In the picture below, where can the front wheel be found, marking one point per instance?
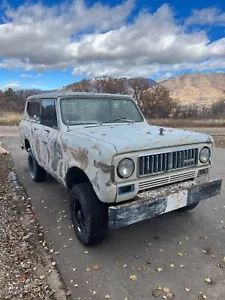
(89, 215)
(188, 207)
(37, 173)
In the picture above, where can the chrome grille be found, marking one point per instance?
(165, 162)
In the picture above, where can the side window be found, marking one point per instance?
(48, 113)
(33, 109)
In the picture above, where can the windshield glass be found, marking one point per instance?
(83, 111)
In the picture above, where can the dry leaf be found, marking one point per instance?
(96, 267)
(133, 277)
(181, 266)
(201, 296)
(208, 280)
(159, 269)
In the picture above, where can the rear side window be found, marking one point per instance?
(48, 113)
(33, 109)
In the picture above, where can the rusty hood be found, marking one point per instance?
(141, 136)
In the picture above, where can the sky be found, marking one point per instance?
(51, 43)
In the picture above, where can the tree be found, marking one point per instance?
(157, 102)
(139, 86)
(82, 86)
(218, 108)
(106, 84)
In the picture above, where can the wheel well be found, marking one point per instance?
(75, 175)
(27, 144)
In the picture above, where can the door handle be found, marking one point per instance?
(47, 130)
(44, 142)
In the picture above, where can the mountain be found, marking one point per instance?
(198, 88)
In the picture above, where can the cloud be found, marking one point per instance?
(97, 40)
(207, 16)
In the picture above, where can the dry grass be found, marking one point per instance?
(188, 122)
(10, 118)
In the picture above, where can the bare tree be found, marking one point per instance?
(82, 86)
(106, 84)
(139, 86)
(157, 102)
(218, 108)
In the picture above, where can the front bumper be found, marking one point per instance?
(156, 202)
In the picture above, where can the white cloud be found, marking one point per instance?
(207, 16)
(97, 40)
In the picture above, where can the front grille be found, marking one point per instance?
(165, 162)
(173, 178)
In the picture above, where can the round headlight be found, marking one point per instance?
(204, 155)
(125, 168)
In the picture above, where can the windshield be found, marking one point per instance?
(87, 111)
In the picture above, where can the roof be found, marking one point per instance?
(54, 95)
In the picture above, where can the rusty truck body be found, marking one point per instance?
(120, 169)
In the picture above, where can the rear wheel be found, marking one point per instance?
(37, 173)
(188, 207)
(89, 215)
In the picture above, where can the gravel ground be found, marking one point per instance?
(26, 268)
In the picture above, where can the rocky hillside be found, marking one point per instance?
(201, 89)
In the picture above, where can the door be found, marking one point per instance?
(51, 155)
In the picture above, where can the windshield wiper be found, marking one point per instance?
(122, 120)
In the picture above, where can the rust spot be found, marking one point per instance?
(108, 183)
(104, 167)
(95, 181)
(97, 148)
(58, 155)
(81, 156)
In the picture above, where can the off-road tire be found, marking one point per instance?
(188, 207)
(37, 173)
(89, 215)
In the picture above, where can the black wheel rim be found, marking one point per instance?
(78, 217)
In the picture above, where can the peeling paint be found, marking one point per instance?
(104, 167)
(81, 156)
(95, 181)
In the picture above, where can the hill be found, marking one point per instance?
(198, 88)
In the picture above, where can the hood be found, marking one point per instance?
(130, 137)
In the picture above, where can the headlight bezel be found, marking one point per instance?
(124, 161)
(205, 161)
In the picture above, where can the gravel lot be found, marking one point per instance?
(178, 256)
(26, 270)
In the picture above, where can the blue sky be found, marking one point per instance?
(54, 43)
